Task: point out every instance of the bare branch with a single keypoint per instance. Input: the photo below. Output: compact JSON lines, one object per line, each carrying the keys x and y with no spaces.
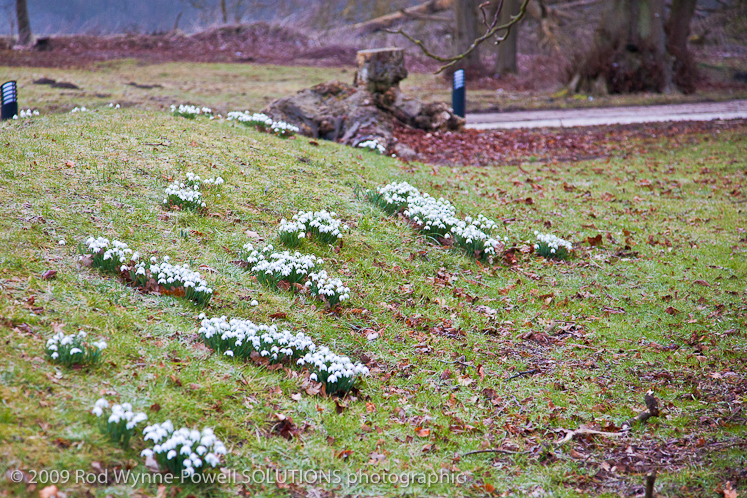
{"x":492,"y":31}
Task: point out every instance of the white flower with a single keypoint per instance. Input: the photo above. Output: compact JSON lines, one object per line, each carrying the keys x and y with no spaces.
{"x":373,"y":145}
{"x":255,"y":303}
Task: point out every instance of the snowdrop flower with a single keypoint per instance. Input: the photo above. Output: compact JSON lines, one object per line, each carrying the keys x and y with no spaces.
{"x":372,"y":145}
{"x":62,"y":242}
{"x":254,"y":302}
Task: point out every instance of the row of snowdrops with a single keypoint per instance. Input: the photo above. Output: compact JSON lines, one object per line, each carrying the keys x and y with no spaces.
{"x":116,"y":258}
{"x":437,"y":219}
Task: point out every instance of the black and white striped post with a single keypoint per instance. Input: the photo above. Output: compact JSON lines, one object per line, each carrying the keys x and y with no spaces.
{"x":9,"y":100}
{"x":458,"y":93}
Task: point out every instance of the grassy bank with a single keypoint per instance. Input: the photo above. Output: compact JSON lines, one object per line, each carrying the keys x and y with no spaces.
{"x":463,"y":356}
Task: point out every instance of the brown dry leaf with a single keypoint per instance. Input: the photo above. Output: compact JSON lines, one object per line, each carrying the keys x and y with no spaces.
{"x":701,"y":282}
{"x":48,"y":492}
{"x":252,"y":234}
{"x":161,"y":491}
{"x":730,"y":492}
{"x":280,"y":315}
{"x":49,"y":274}
{"x":671,"y":310}
{"x":370,"y":407}
{"x":340,"y":406}
{"x":296,"y":397}
{"x":422,"y":432}
{"x":344,"y":454}
{"x":595,"y":241}
{"x":175,"y":380}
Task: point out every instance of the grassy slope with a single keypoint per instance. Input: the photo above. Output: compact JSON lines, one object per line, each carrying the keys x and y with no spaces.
{"x":113,"y":188}
{"x":230,"y":87}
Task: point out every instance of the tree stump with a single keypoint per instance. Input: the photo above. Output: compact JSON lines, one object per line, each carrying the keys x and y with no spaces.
{"x":380,"y":69}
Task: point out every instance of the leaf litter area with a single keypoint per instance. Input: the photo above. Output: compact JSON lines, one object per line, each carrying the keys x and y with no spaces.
{"x":482,"y":148}
{"x":526,"y":376}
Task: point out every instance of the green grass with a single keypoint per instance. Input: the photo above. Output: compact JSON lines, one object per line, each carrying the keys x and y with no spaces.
{"x":442,"y":360}
{"x":232,"y":87}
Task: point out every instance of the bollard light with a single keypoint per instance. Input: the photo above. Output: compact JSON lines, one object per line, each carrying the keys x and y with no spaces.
{"x":458,"y":93}
{"x":9,"y":100}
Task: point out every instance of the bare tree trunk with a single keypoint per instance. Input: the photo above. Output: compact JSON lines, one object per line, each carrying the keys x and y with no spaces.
{"x":506,"y":51}
{"x":467,"y":31}
{"x":629,"y":52}
{"x":678,"y":31}
{"x":24,"y":26}
{"x":224,"y":11}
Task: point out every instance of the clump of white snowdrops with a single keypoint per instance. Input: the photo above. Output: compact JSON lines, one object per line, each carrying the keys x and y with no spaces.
{"x":475,"y":235}
{"x":295,"y":269}
{"x":74,"y":349}
{"x":393,"y":197}
{"x":330,"y":289}
{"x":110,"y":256}
{"x":437,"y":218}
{"x":241,"y":338}
{"x":173,"y":277}
{"x":244,"y":339}
{"x":184,"y":196}
{"x":337,"y":373}
{"x":263,"y":122}
{"x":26,"y":114}
{"x":183,"y":452}
{"x":188,"y":194}
{"x":552,"y":247}
{"x":194,"y":180}
{"x":190,"y":111}
{"x":78,"y":109}
{"x":272,"y":267}
{"x":372,"y":145}
{"x":283,"y":129}
{"x":121,"y":422}
{"x":320,"y":225}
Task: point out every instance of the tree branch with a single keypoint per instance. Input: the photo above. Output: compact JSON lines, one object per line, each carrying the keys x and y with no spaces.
{"x":492,"y":31}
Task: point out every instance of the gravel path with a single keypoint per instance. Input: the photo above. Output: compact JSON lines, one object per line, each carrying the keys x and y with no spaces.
{"x":566,"y":118}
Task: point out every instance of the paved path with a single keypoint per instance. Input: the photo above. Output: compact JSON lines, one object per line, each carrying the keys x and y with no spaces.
{"x":734,"y":109}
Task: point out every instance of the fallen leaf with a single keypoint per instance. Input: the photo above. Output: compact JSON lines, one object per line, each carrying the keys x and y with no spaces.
{"x":48,"y":492}
{"x":595,"y":241}
{"x":422,"y":432}
{"x":701,"y":282}
{"x":730,"y":492}
{"x":49,"y":274}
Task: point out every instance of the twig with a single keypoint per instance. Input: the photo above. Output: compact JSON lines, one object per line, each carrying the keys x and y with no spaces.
{"x":583,"y":432}
{"x":494,"y":28}
{"x":526,"y":372}
{"x":493,"y":450}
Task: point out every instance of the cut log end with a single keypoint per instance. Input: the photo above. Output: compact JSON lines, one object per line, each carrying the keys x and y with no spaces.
{"x":380,"y":69}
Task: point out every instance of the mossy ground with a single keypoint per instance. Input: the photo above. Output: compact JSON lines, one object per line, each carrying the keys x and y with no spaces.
{"x":660,"y":305}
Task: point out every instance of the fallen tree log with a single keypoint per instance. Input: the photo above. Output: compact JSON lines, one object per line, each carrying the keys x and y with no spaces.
{"x":425,"y":10}
{"x":387,"y":21}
